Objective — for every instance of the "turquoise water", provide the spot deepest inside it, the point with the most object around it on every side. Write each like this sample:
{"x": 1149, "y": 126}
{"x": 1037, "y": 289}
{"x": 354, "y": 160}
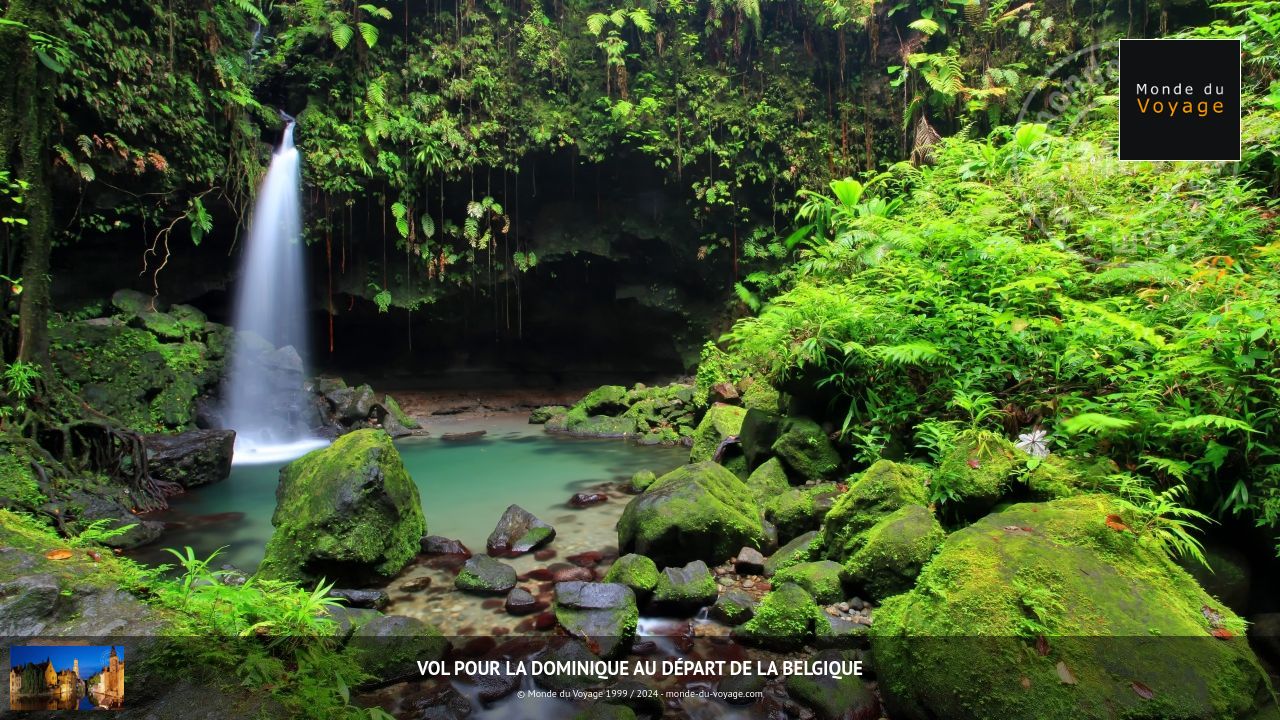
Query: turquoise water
{"x": 465, "y": 486}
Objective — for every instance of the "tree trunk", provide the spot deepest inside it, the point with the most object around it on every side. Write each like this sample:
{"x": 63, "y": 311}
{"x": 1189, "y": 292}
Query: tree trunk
{"x": 26, "y": 114}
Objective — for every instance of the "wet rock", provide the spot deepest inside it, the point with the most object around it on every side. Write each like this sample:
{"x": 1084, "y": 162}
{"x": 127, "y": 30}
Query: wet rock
{"x": 641, "y": 480}
{"x": 541, "y": 415}
{"x": 190, "y": 459}
{"x": 696, "y": 512}
{"x": 825, "y": 580}
{"x": 464, "y": 436}
{"x": 544, "y": 554}
{"x": 112, "y": 509}
{"x": 27, "y": 604}
{"x": 734, "y": 607}
{"x": 518, "y": 531}
{"x": 604, "y": 615}
{"x": 393, "y": 427}
{"x": 587, "y": 499}
{"x": 352, "y": 404}
{"x": 443, "y": 703}
{"x": 390, "y": 646}
{"x": 416, "y": 584}
{"x": 544, "y": 621}
{"x": 783, "y": 620}
{"x": 568, "y": 573}
{"x": 521, "y": 602}
{"x": 591, "y": 558}
{"x": 495, "y": 686}
{"x": 439, "y": 545}
{"x": 833, "y": 698}
{"x": 797, "y": 551}
{"x": 482, "y": 574}
{"x": 636, "y": 572}
{"x": 833, "y": 631}
{"x": 370, "y": 599}
{"x": 683, "y": 590}
{"x": 348, "y": 513}
{"x": 749, "y": 562}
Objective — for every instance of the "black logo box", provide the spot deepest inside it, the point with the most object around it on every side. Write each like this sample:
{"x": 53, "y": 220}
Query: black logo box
{"x": 1190, "y": 64}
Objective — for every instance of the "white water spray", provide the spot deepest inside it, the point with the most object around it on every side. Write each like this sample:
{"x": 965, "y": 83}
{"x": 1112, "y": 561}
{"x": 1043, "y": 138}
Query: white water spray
{"x": 264, "y": 398}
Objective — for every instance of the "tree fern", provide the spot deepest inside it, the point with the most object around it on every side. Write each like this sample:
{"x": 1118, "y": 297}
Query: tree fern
{"x": 250, "y": 8}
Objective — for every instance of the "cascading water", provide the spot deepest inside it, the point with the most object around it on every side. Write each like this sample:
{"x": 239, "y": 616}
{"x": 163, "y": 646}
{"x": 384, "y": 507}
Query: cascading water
{"x": 264, "y": 397}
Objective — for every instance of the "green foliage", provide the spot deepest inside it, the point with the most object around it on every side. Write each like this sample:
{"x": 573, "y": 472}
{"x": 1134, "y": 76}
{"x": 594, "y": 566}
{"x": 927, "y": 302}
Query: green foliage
{"x": 98, "y": 531}
{"x": 1160, "y": 518}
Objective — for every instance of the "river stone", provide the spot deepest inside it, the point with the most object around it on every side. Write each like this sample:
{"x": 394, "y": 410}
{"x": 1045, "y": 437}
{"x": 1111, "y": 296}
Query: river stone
{"x": 482, "y": 574}
{"x": 636, "y": 572}
{"x": 894, "y": 551}
{"x": 1123, "y": 616}
{"x": 695, "y": 512}
{"x": 390, "y": 646}
{"x": 367, "y": 599}
{"x": 190, "y": 459}
{"x": 440, "y": 545}
{"x": 683, "y": 590}
{"x": 749, "y": 562}
{"x": 833, "y": 698}
{"x": 352, "y": 404}
{"x": 823, "y": 579}
{"x": 604, "y": 615}
{"x": 798, "y": 550}
{"x": 879, "y": 491}
{"x": 518, "y": 532}
{"x": 783, "y": 620}
{"x": 734, "y": 607}
{"x": 541, "y": 415}
{"x": 349, "y": 513}
{"x": 831, "y": 631}
{"x": 566, "y": 653}
{"x": 520, "y": 602}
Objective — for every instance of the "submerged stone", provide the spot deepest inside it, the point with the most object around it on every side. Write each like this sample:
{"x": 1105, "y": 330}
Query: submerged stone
{"x": 518, "y": 531}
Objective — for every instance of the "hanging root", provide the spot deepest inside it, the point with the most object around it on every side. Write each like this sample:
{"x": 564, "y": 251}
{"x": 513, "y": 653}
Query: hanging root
{"x": 117, "y": 452}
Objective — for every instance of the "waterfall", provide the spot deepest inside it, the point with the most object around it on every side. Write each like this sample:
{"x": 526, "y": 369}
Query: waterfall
{"x": 264, "y": 397}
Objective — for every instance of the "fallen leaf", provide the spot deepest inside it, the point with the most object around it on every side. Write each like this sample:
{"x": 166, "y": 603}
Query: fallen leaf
{"x": 1065, "y": 674}
{"x": 1025, "y": 682}
{"x": 1042, "y": 645}
{"x": 58, "y": 554}
{"x": 1143, "y": 691}
{"x": 973, "y": 463}
{"x": 1115, "y": 523}
{"x": 1222, "y": 633}
{"x": 94, "y": 556}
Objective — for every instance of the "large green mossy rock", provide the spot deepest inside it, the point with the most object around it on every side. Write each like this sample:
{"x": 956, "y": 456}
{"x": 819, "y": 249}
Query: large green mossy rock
{"x": 806, "y": 450}
{"x": 824, "y": 580}
{"x": 604, "y": 615}
{"x": 695, "y": 512}
{"x": 346, "y": 513}
{"x": 979, "y": 471}
{"x": 1127, "y": 633}
{"x": 720, "y": 422}
{"x": 636, "y": 572}
{"x": 880, "y": 490}
{"x": 784, "y": 619}
{"x": 801, "y": 549}
{"x": 768, "y": 480}
{"x": 389, "y": 647}
{"x": 795, "y": 511}
{"x": 894, "y": 551}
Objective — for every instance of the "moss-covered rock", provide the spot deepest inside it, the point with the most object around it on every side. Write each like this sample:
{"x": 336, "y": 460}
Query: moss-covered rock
{"x": 695, "y": 512}
{"x": 483, "y": 575}
{"x": 604, "y": 615}
{"x": 834, "y": 697}
{"x": 604, "y": 400}
{"x": 894, "y": 550}
{"x": 603, "y": 711}
{"x": 768, "y": 481}
{"x": 542, "y": 414}
{"x": 977, "y": 472}
{"x": 399, "y": 414}
{"x": 758, "y": 434}
{"x": 801, "y": 549}
{"x": 346, "y": 512}
{"x": 795, "y": 511}
{"x": 720, "y": 422}
{"x": 18, "y": 487}
{"x": 783, "y": 620}
{"x": 1128, "y": 633}
{"x": 685, "y": 589}
{"x": 806, "y": 450}
{"x": 389, "y": 647}
{"x": 881, "y": 489}
{"x": 824, "y": 580}
{"x": 734, "y": 607}
{"x": 636, "y": 572}
{"x": 642, "y": 479}
{"x": 759, "y": 395}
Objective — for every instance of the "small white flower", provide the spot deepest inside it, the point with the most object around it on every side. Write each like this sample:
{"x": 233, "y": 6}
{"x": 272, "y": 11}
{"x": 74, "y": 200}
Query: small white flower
{"x": 1033, "y": 443}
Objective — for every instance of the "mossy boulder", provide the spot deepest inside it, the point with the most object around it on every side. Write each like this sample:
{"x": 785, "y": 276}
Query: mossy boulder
{"x": 1127, "y": 633}
{"x": 1056, "y": 477}
{"x": 806, "y": 450}
{"x": 795, "y": 511}
{"x": 484, "y": 575}
{"x": 636, "y": 572}
{"x": 604, "y": 400}
{"x": 834, "y": 697}
{"x": 541, "y": 415}
{"x": 758, "y": 434}
{"x": 604, "y": 615}
{"x": 800, "y": 549}
{"x": 978, "y": 471}
{"x": 348, "y": 513}
{"x": 685, "y": 589}
{"x": 18, "y": 487}
{"x": 880, "y": 490}
{"x": 394, "y": 409}
{"x": 768, "y": 481}
{"x": 719, "y": 423}
{"x": 734, "y": 607}
{"x": 598, "y": 426}
{"x": 695, "y": 512}
{"x": 642, "y": 479}
{"x": 783, "y": 620}
{"x": 894, "y": 550}
{"x": 759, "y": 395}
{"x": 824, "y": 580}
{"x": 390, "y": 646}
{"x": 132, "y": 302}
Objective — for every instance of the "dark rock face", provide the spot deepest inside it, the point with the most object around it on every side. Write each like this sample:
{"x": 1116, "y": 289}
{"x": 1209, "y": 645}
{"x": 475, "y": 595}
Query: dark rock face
{"x": 604, "y": 615}
{"x": 483, "y": 574}
{"x": 444, "y": 703}
{"x": 440, "y": 545}
{"x": 113, "y": 508}
{"x": 521, "y": 602}
{"x": 582, "y": 499}
{"x": 750, "y": 561}
{"x": 352, "y": 404}
{"x": 518, "y": 532}
{"x": 366, "y": 599}
{"x": 190, "y": 459}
